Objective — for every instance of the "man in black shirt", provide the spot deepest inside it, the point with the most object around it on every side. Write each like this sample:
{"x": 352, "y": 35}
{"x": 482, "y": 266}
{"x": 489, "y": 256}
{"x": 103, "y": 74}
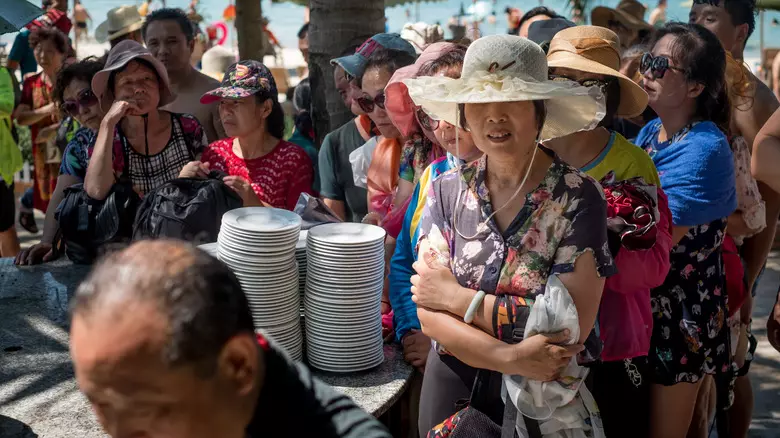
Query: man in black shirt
{"x": 163, "y": 345}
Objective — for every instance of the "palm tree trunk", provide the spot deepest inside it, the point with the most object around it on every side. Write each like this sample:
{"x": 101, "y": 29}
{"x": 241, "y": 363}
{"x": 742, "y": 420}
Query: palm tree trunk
{"x": 335, "y": 24}
{"x": 249, "y": 27}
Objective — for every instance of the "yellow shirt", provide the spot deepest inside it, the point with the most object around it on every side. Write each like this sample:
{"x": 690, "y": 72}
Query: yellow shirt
{"x": 625, "y": 159}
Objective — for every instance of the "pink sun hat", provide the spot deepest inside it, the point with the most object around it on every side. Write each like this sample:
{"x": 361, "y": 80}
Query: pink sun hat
{"x": 398, "y": 104}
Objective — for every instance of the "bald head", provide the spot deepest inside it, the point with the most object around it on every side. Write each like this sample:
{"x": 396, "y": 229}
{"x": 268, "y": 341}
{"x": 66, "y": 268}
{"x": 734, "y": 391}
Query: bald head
{"x": 191, "y": 295}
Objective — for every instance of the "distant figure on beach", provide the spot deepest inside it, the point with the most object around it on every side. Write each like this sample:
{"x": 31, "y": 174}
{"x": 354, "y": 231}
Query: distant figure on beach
{"x": 80, "y": 18}
{"x": 627, "y": 20}
{"x": 303, "y": 46}
{"x": 170, "y": 37}
{"x": 122, "y": 23}
{"x": 144, "y": 8}
{"x": 513, "y": 16}
{"x": 166, "y": 346}
{"x": 658, "y": 16}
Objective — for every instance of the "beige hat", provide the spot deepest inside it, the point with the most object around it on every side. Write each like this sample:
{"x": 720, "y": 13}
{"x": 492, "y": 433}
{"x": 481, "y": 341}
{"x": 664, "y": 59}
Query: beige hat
{"x": 630, "y": 13}
{"x": 121, "y": 21}
{"x": 216, "y": 61}
{"x": 508, "y": 68}
{"x": 595, "y": 49}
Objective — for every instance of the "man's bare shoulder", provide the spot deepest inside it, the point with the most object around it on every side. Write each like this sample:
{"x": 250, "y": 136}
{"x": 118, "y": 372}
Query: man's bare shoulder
{"x": 766, "y": 101}
{"x": 204, "y": 82}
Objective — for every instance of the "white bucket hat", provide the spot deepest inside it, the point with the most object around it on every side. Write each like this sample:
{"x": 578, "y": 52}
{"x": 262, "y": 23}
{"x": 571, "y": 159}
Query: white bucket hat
{"x": 508, "y": 68}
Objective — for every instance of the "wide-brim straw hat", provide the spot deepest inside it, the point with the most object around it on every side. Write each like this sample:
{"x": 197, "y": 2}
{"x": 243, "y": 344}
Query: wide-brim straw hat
{"x": 508, "y": 68}
{"x": 596, "y": 50}
{"x": 399, "y": 106}
{"x": 630, "y": 13}
{"x": 119, "y": 21}
{"x": 118, "y": 58}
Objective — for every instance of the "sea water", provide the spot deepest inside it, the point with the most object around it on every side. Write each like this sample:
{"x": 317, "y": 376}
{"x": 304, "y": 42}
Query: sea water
{"x": 286, "y": 18}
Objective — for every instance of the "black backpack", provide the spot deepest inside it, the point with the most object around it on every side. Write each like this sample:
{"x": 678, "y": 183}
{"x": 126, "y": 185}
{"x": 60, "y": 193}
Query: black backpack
{"x": 188, "y": 209}
{"x": 89, "y": 227}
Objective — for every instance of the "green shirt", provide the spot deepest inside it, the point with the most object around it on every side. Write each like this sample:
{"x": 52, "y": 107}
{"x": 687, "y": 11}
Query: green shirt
{"x": 336, "y": 180}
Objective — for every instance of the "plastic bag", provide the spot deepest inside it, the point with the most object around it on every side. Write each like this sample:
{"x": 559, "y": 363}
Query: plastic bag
{"x": 564, "y": 407}
{"x": 360, "y": 159}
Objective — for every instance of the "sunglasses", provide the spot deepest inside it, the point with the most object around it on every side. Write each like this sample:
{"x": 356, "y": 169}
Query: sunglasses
{"x": 367, "y": 104}
{"x": 426, "y": 120}
{"x": 602, "y": 84}
{"x": 85, "y": 99}
{"x": 658, "y": 64}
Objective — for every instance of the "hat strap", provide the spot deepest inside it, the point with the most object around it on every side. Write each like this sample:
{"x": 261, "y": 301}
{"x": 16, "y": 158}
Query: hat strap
{"x": 494, "y": 65}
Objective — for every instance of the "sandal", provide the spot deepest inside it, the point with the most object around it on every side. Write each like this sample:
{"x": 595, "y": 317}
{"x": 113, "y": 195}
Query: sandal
{"x": 27, "y": 221}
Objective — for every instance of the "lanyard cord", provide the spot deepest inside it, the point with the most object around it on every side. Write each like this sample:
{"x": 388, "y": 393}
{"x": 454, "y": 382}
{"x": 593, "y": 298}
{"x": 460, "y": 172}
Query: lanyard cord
{"x": 460, "y": 188}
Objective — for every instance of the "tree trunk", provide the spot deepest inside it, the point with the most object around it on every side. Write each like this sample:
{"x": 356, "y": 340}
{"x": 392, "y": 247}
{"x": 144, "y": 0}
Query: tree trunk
{"x": 249, "y": 27}
{"x": 335, "y": 24}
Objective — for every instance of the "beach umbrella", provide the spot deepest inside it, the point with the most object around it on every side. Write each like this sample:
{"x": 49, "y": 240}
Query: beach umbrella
{"x": 15, "y": 14}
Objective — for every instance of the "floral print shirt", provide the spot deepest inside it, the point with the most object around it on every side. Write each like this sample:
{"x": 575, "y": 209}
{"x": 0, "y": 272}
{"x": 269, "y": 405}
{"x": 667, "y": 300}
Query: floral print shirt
{"x": 417, "y": 153}
{"x": 563, "y": 217}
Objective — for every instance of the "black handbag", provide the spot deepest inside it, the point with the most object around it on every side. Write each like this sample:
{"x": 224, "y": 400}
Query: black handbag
{"x": 188, "y": 209}
{"x": 89, "y": 226}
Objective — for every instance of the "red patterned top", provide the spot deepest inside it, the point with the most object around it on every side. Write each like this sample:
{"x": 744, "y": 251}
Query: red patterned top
{"x": 278, "y": 177}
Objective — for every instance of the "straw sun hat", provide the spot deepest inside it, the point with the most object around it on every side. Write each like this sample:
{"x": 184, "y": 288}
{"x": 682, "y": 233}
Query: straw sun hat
{"x": 508, "y": 68}
{"x": 595, "y": 49}
{"x": 119, "y": 21}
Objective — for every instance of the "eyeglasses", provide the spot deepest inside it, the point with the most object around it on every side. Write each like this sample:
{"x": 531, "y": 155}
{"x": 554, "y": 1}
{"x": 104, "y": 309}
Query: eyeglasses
{"x": 367, "y": 104}
{"x": 658, "y": 64}
{"x": 426, "y": 120}
{"x": 602, "y": 84}
{"x": 85, "y": 99}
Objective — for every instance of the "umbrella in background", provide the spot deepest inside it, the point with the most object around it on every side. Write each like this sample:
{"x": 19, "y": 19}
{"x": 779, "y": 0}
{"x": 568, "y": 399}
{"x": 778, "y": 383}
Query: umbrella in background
{"x": 15, "y": 14}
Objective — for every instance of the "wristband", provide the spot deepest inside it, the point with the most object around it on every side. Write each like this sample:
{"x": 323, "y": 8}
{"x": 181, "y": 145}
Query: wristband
{"x": 475, "y": 302}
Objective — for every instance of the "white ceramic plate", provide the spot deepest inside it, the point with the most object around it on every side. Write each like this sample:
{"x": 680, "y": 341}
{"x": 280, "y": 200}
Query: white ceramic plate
{"x": 347, "y": 233}
{"x": 261, "y": 219}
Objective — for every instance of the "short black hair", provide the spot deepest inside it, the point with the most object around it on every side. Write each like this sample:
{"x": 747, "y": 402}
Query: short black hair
{"x": 304, "y": 31}
{"x": 82, "y": 70}
{"x": 200, "y": 298}
{"x": 389, "y": 59}
{"x": 740, "y": 11}
{"x": 449, "y": 59}
{"x": 534, "y": 12}
{"x": 59, "y": 39}
{"x": 174, "y": 14}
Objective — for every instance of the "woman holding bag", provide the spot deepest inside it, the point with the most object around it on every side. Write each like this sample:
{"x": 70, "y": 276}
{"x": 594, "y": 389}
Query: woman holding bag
{"x": 494, "y": 231}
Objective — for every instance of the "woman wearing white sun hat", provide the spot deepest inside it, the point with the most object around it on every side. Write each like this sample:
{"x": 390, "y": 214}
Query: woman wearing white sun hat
{"x": 505, "y": 223}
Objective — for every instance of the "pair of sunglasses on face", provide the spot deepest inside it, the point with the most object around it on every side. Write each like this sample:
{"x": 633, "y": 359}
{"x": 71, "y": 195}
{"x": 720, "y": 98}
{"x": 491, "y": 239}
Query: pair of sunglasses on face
{"x": 367, "y": 104}
{"x": 85, "y": 99}
{"x": 603, "y": 85}
{"x": 657, "y": 64}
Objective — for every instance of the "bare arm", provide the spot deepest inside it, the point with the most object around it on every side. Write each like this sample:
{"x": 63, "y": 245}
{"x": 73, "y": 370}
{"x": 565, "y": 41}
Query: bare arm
{"x": 585, "y": 287}
{"x": 100, "y": 172}
{"x": 766, "y": 154}
{"x": 338, "y": 207}
{"x": 27, "y": 116}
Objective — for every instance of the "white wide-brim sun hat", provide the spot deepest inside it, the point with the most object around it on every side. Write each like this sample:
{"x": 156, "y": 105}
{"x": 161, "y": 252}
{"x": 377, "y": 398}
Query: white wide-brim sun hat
{"x": 508, "y": 68}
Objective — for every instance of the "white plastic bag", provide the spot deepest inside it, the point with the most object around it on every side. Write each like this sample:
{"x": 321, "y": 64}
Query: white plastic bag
{"x": 360, "y": 159}
{"x": 563, "y": 405}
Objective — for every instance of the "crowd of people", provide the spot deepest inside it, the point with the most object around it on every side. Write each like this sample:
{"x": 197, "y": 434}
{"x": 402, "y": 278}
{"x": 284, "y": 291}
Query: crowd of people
{"x": 631, "y": 163}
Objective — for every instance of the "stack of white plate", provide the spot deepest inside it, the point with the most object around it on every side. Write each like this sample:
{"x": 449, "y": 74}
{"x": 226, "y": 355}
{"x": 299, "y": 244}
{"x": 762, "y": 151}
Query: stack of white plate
{"x": 344, "y": 280}
{"x": 258, "y": 245}
{"x": 300, "y": 257}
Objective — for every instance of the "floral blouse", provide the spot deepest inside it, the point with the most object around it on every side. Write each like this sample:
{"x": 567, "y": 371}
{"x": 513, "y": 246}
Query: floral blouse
{"x": 417, "y": 153}
{"x": 564, "y": 217}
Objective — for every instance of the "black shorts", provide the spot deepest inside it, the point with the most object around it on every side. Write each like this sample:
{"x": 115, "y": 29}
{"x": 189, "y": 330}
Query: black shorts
{"x": 81, "y": 24}
{"x": 7, "y": 206}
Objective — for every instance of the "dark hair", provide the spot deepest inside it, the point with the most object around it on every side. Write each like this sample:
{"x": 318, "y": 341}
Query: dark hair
{"x": 304, "y": 31}
{"x": 388, "y": 59}
{"x": 173, "y": 14}
{"x": 612, "y": 103}
{"x": 740, "y": 11}
{"x": 534, "y": 12}
{"x": 540, "y": 109}
{"x": 302, "y": 104}
{"x": 449, "y": 59}
{"x": 699, "y": 52}
{"x": 41, "y": 34}
{"x": 199, "y": 297}
{"x": 83, "y": 70}
{"x": 274, "y": 124}
{"x": 127, "y": 36}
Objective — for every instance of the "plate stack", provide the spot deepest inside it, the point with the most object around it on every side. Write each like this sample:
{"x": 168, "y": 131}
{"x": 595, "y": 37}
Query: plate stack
{"x": 345, "y": 273}
{"x": 258, "y": 245}
{"x": 300, "y": 257}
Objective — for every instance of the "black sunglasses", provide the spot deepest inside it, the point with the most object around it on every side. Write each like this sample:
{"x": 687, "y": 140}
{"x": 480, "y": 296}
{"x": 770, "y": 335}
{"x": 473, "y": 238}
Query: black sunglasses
{"x": 602, "y": 84}
{"x": 425, "y": 120}
{"x": 658, "y": 64}
{"x": 84, "y": 99}
{"x": 367, "y": 104}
